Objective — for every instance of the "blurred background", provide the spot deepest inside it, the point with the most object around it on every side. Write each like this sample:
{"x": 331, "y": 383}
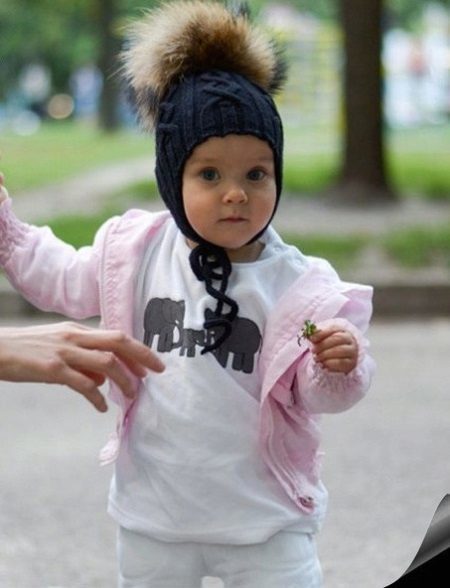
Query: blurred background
{"x": 366, "y": 112}
{"x": 367, "y": 120}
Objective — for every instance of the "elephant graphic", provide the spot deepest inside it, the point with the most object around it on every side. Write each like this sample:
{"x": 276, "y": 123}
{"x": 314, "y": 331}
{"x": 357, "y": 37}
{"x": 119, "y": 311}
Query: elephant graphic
{"x": 190, "y": 339}
{"x": 243, "y": 343}
{"x": 164, "y": 317}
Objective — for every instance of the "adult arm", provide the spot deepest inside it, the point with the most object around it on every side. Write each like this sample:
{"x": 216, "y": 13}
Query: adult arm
{"x": 78, "y": 356}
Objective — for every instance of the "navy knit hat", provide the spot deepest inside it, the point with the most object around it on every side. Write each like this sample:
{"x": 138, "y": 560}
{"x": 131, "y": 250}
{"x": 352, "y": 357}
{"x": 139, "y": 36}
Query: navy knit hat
{"x": 210, "y": 104}
{"x": 197, "y": 70}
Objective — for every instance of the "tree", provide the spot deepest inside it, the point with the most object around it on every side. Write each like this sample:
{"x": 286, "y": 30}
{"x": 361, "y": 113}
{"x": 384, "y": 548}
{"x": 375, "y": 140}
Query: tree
{"x": 363, "y": 176}
{"x": 106, "y": 12}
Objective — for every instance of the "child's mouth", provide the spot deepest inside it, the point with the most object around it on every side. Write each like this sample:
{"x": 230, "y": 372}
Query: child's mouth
{"x": 234, "y": 219}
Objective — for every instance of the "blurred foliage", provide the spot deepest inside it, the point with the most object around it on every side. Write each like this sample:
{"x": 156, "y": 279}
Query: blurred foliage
{"x": 64, "y": 34}
{"x": 406, "y": 13}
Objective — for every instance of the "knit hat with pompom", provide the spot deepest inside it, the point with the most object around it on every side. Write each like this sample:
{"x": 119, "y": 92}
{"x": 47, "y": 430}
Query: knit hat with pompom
{"x": 195, "y": 70}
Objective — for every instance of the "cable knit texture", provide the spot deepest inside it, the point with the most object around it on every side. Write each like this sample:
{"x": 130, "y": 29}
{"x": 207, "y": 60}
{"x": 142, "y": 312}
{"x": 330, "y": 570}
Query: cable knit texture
{"x": 213, "y": 103}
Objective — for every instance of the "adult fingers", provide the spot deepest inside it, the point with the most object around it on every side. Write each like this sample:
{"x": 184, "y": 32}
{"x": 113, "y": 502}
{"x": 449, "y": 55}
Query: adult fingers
{"x": 96, "y": 377}
{"x": 137, "y": 356}
{"x": 82, "y": 384}
{"x": 104, "y": 363}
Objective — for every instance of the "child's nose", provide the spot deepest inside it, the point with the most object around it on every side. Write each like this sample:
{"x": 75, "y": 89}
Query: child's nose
{"x": 235, "y": 195}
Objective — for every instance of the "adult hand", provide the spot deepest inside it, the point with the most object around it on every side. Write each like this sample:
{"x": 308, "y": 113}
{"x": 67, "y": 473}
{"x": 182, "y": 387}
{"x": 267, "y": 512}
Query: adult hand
{"x": 75, "y": 355}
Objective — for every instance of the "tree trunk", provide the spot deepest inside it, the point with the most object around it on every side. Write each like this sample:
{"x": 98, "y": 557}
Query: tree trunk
{"x": 363, "y": 176}
{"x": 106, "y": 12}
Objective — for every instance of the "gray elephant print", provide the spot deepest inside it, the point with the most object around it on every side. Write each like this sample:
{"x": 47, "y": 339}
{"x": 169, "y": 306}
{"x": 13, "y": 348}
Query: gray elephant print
{"x": 190, "y": 339}
{"x": 164, "y": 317}
{"x": 243, "y": 343}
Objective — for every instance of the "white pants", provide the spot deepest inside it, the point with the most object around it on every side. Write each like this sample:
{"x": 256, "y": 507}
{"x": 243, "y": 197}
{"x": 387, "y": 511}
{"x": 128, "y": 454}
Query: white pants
{"x": 286, "y": 560}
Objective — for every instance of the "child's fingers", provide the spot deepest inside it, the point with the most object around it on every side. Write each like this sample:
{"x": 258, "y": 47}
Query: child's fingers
{"x": 338, "y": 359}
{"x": 332, "y": 338}
{"x": 336, "y": 350}
{"x": 321, "y": 334}
{"x": 339, "y": 352}
{"x": 344, "y": 366}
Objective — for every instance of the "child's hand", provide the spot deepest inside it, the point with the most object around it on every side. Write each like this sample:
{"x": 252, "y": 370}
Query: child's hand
{"x": 3, "y": 191}
{"x": 335, "y": 349}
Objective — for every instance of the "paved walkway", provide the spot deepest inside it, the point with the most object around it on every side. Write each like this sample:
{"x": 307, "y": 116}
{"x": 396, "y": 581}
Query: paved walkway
{"x": 385, "y": 466}
{"x": 86, "y": 193}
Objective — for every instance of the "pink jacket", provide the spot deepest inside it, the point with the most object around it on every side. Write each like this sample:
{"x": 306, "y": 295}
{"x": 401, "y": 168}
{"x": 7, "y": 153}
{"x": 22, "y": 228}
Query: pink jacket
{"x": 99, "y": 281}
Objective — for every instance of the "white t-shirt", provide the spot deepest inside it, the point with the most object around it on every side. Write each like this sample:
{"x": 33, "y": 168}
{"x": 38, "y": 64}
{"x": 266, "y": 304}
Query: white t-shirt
{"x": 190, "y": 468}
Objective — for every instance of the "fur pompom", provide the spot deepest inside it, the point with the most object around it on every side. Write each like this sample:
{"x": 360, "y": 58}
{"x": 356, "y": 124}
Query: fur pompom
{"x": 187, "y": 36}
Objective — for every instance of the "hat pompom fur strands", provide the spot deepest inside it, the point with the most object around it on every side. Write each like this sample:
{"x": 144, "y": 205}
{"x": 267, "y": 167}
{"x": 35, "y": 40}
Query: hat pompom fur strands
{"x": 188, "y": 36}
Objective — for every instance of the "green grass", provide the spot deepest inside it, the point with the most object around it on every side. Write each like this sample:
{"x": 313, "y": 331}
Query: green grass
{"x": 419, "y": 159}
{"x": 63, "y": 149}
{"x": 303, "y": 175}
{"x": 144, "y": 190}
{"x": 341, "y": 252}
{"x": 78, "y": 230}
{"x": 420, "y": 247}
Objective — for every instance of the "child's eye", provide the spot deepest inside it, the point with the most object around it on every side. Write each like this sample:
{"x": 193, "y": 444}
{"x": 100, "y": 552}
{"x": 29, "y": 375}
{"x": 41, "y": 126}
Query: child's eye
{"x": 210, "y": 174}
{"x": 256, "y": 175}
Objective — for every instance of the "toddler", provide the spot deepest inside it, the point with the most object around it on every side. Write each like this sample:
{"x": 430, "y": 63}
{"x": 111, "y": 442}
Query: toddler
{"x": 216, "y": 458}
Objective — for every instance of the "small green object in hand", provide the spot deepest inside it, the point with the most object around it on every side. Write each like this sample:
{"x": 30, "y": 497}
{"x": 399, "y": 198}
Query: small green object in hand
{"x": 309, "y": 328}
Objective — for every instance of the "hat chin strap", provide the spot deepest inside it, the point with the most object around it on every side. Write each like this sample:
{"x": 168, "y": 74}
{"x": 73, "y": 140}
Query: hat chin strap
{"x": 210, "y": 264}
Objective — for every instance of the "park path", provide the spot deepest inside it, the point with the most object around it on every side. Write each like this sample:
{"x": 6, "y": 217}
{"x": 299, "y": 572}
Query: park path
{"x": 385, "y": 468}
{"x": 84, "y": 193}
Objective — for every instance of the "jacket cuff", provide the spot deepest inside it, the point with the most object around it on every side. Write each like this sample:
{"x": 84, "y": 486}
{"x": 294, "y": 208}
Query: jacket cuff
{"x": 12, "y": 231}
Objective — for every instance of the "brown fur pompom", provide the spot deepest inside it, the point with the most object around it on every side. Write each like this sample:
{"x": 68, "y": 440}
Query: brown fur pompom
{"x": 186, "y": 36}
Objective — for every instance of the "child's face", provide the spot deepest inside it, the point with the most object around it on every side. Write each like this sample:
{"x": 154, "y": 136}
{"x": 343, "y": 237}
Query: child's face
{"x": 229, "y": 192}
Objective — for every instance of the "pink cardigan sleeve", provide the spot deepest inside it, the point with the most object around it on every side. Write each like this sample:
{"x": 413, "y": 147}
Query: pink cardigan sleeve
{"x": 322, "y": 391}
{"x": 290, "y": 375}
{"x": 48, "y": 272}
